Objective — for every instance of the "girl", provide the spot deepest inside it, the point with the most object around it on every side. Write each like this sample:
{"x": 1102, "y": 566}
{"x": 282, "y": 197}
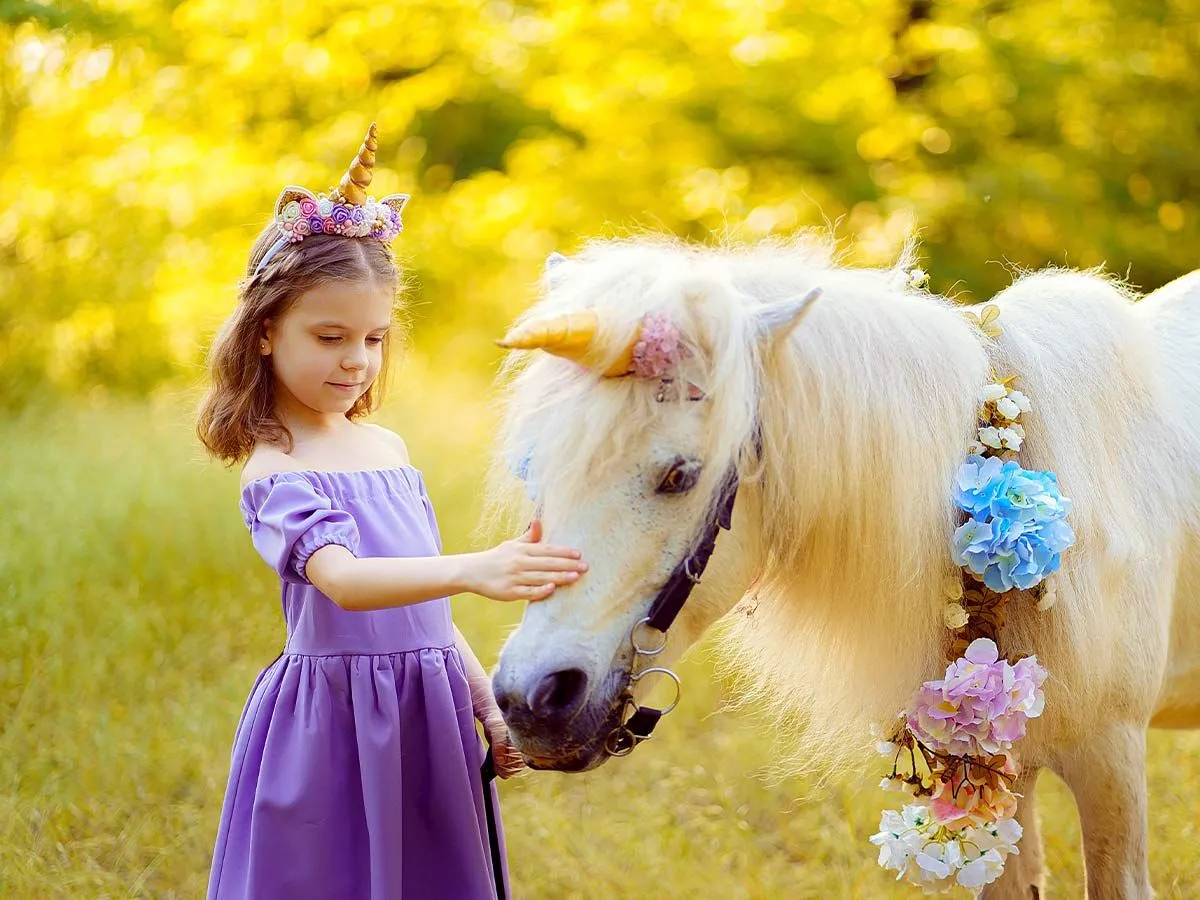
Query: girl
{"x": 356, "y": 765}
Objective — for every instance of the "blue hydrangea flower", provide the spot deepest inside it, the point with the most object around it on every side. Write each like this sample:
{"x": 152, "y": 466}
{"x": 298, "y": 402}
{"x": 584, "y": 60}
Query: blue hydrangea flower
{"x": 1016, "y": 530}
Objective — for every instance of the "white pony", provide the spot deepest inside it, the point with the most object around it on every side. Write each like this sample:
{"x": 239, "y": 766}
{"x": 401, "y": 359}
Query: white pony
{"x": 846, "y": 430}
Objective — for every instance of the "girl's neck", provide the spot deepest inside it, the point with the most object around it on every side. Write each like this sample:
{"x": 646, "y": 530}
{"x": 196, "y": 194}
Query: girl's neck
{"x": 304, "y": 420}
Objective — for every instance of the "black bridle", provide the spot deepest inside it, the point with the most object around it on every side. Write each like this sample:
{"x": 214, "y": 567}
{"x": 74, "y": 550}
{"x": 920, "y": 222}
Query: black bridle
{"x": 664, "y": 610}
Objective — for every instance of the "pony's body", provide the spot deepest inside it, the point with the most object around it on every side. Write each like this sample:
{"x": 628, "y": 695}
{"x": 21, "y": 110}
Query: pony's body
{"x": 841, "y": 532}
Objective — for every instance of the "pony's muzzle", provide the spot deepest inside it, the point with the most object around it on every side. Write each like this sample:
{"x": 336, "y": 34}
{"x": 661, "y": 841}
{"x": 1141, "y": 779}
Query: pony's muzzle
{"x": 549, "y": 701}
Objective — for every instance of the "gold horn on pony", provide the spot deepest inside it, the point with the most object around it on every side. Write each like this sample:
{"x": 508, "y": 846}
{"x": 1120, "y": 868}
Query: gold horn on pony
{"x": 354, "y": 183}
{"x": 571, "y": 336}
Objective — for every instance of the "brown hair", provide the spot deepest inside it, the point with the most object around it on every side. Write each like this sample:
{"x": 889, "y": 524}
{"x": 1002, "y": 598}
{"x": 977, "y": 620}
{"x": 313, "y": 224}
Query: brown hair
{"x": 238, "y": 411}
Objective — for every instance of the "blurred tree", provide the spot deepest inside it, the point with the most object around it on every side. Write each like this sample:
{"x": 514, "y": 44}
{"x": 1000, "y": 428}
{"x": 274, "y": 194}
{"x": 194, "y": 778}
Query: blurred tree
{"x": 142, "y": 144}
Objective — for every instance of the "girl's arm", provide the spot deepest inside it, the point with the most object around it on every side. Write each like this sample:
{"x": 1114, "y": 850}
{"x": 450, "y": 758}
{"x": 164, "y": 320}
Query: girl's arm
{"x": 520, "y": 569}
{"x": 506, "y": 757}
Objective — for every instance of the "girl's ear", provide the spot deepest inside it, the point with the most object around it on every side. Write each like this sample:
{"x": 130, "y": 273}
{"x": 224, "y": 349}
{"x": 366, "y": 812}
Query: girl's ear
{"x": 264, "y": 339}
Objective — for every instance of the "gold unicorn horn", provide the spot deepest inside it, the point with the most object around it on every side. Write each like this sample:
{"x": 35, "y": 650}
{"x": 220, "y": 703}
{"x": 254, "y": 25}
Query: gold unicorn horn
{"x": 570, "y": 336}
{"x": 353, "y": 185}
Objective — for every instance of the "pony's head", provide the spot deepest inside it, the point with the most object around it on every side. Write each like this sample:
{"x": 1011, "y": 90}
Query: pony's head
{"x": 623, "y": 431}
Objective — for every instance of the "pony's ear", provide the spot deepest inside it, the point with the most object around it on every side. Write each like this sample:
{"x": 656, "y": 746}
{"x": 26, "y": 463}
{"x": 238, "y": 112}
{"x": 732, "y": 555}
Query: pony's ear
{"x": 775, "y": 321}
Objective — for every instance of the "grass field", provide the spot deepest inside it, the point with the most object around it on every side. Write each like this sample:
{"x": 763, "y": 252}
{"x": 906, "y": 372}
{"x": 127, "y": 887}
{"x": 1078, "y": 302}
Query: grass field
{"x": 135, "y": 616}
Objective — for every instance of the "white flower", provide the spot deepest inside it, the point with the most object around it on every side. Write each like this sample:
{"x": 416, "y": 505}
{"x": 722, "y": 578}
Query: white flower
{"x": 975, "y": 448}
{"x": 1021, "y": 400}
{"x": 955, "y": 615}
{"x": 992, "y": 392}
{"x": 1007, "y": 408}
{"x": 1010, "y": 439}
{"x": 1049, "y": 596}
{"x": 898, "y": 786}
{"x": 981, "y": 871}
{"x": 917, "y": 848}
{"x": 1018, "y": 428}
{"x": 918, "y": 278}
{"x": 952, "y": 588}
{"x": 990, "y": 437}
{"x": 886, "y": 749}
{"x": 930, "y": 859}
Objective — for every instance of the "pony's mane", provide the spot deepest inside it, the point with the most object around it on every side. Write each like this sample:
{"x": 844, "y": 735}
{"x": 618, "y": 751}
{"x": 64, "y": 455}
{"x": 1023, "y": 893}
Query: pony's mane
{"x": 864, "y": 414}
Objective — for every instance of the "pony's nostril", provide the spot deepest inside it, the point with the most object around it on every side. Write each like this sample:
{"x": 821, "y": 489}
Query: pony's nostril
{"x": 504, "y": 700}
{"x": 559, "y": 693}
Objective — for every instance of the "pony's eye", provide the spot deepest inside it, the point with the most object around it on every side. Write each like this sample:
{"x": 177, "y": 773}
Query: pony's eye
{"x": 681, "y": 477}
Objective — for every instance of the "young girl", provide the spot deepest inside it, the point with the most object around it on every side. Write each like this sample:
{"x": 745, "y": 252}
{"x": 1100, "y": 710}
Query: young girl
{"x": 356, "y": 765}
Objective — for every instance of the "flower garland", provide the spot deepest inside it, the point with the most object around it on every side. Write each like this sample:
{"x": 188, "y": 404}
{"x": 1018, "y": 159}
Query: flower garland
{"x": 952, "y": 750}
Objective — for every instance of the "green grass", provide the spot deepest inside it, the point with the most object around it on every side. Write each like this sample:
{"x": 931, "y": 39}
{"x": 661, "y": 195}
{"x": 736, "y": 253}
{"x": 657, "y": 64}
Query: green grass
{"x": 135, "y": 616}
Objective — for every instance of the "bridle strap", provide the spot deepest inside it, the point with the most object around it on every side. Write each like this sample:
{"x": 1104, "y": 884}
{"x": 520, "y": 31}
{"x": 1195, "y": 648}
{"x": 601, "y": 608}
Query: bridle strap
{"x": 674, "y": 594}
{"x": 686, "y": 574}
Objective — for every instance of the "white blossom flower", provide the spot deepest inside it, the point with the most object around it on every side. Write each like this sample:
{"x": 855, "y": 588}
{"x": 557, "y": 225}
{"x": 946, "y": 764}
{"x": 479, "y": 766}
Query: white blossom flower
{"x": 898, "y": 786}
{"x": 990, "y": 437}
{"x": 1021, "y": 400}
{"x": 918, "y": 278}
{"x": 914, "y": 845}
{"x": 955, "y": 615}
{"x": 992, "y": 392}
{"x": 952, "y": 588}
{"x": 975, "y": 448}
{"x": 886, "y": 748}
{"x": 1007, "y": 408}
{"x": 982, "y": 870}
{"x": 1049, "y": 597}
{"x": 1010, "y": 439}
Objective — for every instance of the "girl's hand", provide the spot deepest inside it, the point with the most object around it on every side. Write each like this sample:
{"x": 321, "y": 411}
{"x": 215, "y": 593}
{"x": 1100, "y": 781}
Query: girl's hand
{"x": 524, "y": 568}
{"x": 506, "y": 757}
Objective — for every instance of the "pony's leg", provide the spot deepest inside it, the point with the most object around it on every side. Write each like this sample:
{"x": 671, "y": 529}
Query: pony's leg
{"x": 1023, "y": 874}
{"x": 1107, "y": 775}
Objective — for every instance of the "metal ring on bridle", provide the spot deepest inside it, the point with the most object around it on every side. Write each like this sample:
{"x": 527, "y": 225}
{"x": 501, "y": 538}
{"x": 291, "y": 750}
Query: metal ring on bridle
{"x": 663, "y": 671}
{"x": 634, "y": 642}
{"x": 616, "y": 747}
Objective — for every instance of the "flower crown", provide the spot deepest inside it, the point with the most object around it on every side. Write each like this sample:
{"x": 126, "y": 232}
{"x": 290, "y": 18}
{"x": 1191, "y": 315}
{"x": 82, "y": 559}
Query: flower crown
{"x": 345, "y": 211}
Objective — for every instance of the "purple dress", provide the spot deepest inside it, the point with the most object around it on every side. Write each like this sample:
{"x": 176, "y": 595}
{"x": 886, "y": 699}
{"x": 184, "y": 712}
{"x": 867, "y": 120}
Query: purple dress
{"x": 355, "y": 768}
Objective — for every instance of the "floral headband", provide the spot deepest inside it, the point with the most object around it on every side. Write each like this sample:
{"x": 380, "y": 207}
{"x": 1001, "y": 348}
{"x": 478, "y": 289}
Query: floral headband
{"x": 346, "y": 210}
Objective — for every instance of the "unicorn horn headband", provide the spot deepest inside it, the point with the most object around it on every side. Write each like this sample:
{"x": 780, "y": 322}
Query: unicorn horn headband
{"x": 345, "y": 211}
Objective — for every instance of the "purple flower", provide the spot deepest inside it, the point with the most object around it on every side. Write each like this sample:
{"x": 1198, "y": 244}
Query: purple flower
{"x": 982, "y": 703}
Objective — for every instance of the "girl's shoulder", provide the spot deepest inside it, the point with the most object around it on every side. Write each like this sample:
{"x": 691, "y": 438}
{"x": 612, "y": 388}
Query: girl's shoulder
{"x": 387, "y": 450}
{"x": 391, "y": 440}
{"x": 265, "y": 460}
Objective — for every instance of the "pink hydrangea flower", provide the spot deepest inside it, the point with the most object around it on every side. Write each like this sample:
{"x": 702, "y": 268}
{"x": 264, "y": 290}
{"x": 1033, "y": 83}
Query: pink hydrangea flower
{"x": 659, "y": 348}
{"x": 981, "y": 705}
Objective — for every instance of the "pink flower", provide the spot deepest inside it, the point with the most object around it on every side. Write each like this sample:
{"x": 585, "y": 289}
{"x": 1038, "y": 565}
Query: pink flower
{"x": 659, "y": 348}
{"x": 981, "y": 705}
{"x": 983, "y": 798}
{"x": 308, "y": 207}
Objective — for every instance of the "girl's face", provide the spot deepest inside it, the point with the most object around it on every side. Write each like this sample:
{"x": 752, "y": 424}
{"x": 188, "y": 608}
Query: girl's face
{"x": 326, "y": 350}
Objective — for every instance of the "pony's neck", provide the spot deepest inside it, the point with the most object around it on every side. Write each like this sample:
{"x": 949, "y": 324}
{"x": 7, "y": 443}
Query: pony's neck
{"x": 865, "y": 421}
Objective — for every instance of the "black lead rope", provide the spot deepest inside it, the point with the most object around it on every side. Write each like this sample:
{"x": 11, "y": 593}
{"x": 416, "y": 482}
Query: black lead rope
{"x": 488, "y": 774}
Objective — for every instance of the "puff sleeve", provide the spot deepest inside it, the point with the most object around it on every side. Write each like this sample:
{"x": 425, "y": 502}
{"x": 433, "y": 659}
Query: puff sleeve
{"x": 290, "y": 519}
